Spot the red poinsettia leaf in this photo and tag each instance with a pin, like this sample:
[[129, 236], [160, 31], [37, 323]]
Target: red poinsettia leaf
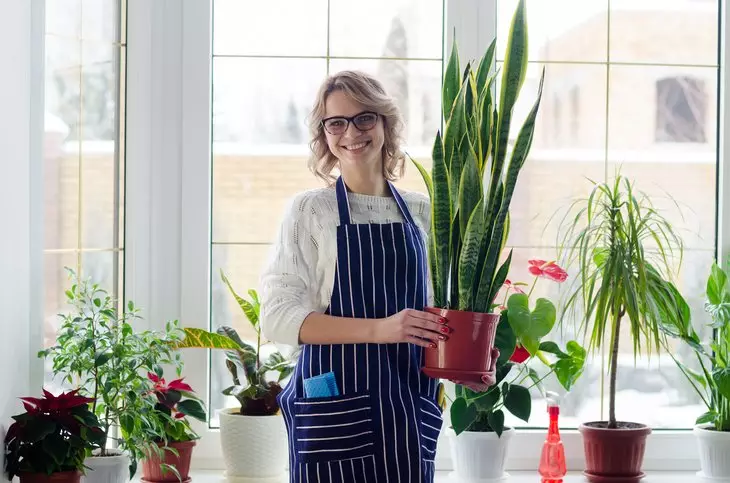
[[48, 395], [179, 415], [179, 385], [153, 377], [29, 407]]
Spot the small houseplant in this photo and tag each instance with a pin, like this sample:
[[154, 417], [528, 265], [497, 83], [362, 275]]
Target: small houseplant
[[712, 381], [168, 428], [98, 350], [481, 441], [50, 440], [471, 185], [624, 249], [258, 416]]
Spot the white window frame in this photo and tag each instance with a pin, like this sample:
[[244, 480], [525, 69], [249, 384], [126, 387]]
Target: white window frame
[[168, 204]]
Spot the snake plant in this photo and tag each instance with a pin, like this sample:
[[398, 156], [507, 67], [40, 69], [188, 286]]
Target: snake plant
[[475, 172]]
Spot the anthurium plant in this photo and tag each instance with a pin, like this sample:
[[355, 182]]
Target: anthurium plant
[[98, 350], [712, 382], [253, 386], [53, 435], [520, 340], [474, 175]]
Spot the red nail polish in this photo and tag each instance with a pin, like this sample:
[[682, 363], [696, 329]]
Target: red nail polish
[[442, 320], [433, 346], [445, 330]]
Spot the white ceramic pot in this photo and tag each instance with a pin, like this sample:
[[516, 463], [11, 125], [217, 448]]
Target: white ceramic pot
[[479, 457], [714, 449], [254, 447], [107, 469]]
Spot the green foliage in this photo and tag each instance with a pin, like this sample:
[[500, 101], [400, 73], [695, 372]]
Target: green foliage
[[623, 248], [474, 177], [252, 386], [484, 411], [98, 350], [53, 435], [712, 383]]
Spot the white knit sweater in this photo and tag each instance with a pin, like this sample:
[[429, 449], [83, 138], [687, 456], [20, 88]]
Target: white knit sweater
[[300, 273]]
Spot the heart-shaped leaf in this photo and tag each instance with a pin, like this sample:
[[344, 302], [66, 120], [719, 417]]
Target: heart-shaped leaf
[[505, 339], [462, 415], [570, 368], [518, 402], [496, 421], [489, 399], [529, 326]]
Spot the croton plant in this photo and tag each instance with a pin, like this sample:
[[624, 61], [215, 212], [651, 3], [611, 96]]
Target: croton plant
[[520, 340], [53, 435]]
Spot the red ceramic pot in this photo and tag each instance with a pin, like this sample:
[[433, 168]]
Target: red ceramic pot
[[152, 472], [61, 477], [614, 454], [467, 353]]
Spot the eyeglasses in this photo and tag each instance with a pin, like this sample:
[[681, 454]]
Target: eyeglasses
[[337, 125]]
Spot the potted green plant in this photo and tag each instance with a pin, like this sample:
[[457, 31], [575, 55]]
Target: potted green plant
[[256, 383], [169, 430], [98, 350], [471, 185], [624, 250], [50, 440], [712, 379], [479, 438]]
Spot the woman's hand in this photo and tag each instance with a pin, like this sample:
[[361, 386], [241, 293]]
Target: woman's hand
[[488, 380], [414, 326]]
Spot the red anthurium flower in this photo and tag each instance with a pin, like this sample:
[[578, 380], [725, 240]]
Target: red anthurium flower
[[549, 270], [513, 286], [520, 355]]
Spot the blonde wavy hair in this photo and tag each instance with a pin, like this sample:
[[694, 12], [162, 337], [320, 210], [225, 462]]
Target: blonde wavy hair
[[369, 92]]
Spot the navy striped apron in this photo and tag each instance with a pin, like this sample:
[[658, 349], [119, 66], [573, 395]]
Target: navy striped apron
[[384, 425]]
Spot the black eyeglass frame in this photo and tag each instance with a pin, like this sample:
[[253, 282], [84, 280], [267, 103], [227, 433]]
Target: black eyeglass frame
[[350, 120]]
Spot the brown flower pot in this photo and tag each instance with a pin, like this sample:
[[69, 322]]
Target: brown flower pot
[[467, 354], [152, 472], [614, 455], [62, 477]]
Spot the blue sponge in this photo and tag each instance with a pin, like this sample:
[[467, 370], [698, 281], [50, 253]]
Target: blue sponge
[[323, 385]]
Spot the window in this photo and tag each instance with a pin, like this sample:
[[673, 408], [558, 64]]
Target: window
[[83, 150], [258, 127], [681, 110], [611, 53]]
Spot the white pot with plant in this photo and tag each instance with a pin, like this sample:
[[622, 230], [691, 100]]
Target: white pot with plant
[[712, 381], [98, 350], [253, 435]]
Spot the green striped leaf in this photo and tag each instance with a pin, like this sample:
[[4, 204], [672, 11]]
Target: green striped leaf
[[202, 339], [452, 81], [251, 310], [441, 209], [453, 135], [470, 192], [424, 174], [469, 255], [485, 66]]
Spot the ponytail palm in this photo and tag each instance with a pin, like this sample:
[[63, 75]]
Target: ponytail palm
[[474, 174]]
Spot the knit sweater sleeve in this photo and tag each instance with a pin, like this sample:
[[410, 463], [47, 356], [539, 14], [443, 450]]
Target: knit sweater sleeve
[[289, 291]]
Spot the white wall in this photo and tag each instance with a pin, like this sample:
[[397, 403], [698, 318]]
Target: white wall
[[21, 126]]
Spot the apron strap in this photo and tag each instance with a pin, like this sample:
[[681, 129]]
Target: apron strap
[[343, 206]]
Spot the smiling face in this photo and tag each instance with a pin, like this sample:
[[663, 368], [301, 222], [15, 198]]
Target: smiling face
[[359, 149]]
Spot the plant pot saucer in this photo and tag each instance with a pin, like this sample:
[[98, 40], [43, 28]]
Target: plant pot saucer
[[454, 375], [593, 478], [454, 477], [144, 480], [717, 479]]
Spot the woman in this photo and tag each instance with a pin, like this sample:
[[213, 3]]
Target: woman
[[346, 286]]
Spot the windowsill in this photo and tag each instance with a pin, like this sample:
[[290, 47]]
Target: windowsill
[[213, 476]]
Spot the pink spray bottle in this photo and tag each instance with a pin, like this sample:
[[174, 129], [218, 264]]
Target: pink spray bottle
[[552, 460]]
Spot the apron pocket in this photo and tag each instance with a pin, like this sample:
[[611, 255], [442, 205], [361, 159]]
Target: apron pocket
[[431, 422], [334, 428]]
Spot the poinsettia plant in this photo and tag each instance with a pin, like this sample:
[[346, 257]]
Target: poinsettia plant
[[53, 435], [176, 401], [520, 339]]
